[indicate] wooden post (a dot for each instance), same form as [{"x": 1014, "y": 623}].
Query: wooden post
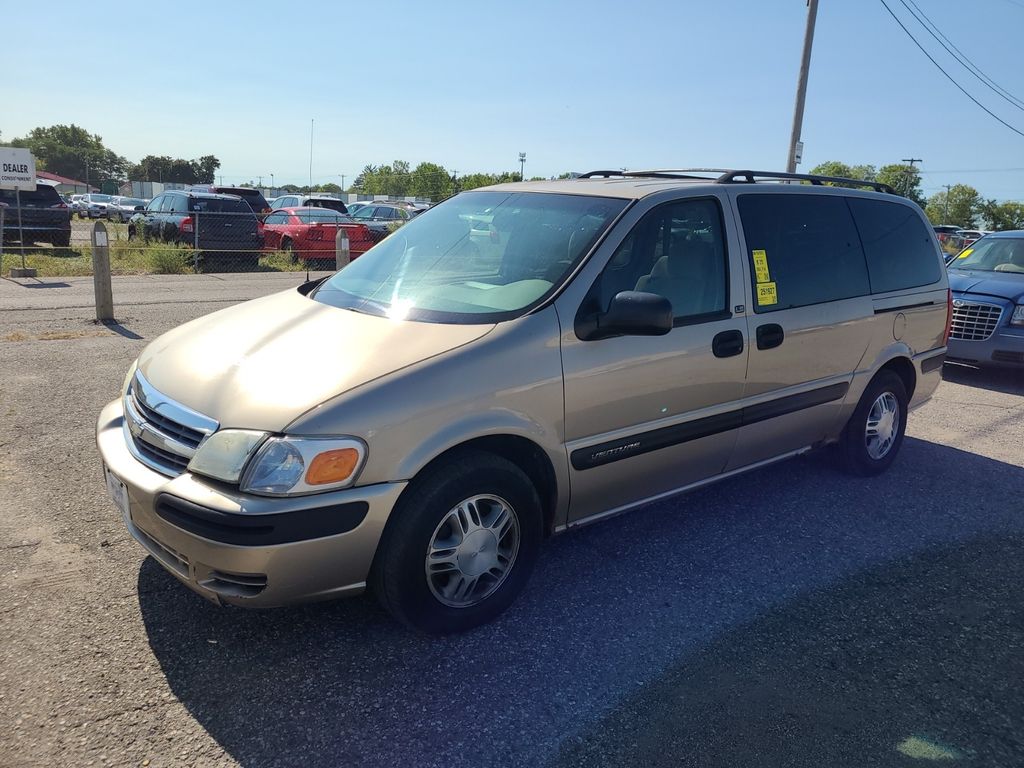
[
  {"x": 341, "y": 252},
  {"x": 101, "y": 273}
]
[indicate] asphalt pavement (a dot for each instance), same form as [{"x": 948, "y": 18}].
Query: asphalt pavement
[{"x": 792, "y": 616}]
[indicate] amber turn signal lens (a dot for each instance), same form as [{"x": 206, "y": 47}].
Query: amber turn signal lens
[{"x": 332, "y": 466}]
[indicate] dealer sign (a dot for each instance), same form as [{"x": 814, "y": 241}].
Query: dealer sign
[{"x": 17, "y": 169}]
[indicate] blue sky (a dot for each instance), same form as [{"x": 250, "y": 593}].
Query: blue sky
[{"x": 575, "y": 85}]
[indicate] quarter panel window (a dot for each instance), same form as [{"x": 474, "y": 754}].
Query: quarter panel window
[
  {"x": 803, "y": 249},
  {"x": 899, "y": 250}
]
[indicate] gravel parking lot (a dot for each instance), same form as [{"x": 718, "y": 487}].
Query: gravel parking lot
[{"x": 793, "y": 616}]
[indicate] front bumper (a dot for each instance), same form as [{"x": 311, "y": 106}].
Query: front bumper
[
  {"x": 1003, "y": 349},
  {"x": 252, "y": 574}
]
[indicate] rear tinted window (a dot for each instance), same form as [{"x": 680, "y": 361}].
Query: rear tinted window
[
  {"x": 219, "y": 205},
  {"x": 42, "y": 194},
  {"x": 253, "y": 197},
  {"x": 803, "y": 249},
  {"x": 900, "y": 250},
  {"x": 334, "y": 205}
]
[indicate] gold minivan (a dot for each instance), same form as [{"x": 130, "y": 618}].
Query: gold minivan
[{"x": 517, "y": 361}]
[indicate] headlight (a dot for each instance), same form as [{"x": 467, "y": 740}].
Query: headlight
[
  {"x": 223, "y": 454},
  {"x": 1017, "y": 318},
  {"x": 291, "y": 466}
]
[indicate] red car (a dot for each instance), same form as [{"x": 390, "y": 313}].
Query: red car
[{"x": 309, "y": 233}]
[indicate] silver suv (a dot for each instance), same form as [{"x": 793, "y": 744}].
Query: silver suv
[{"x": 517, "y": 361}]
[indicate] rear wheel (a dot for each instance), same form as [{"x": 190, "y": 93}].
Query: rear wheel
[
  {"x": 63, "y": 240},
  {"x": 874, "y": 434},
  {"x": 460, "y": 545}
]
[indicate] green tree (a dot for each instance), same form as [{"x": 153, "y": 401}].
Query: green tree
[
  {"x": 905, "y": 179},
  {"x": 70, "y": 150},
  {"x": 175, "y": 169},
  {"x": 430, "y": 180},
  {"x": 960, "y": 206},
  {"x": 837, "y": 168},
  {"x": 205, "y": 169},
  {"x": 1002, "y": 216}
]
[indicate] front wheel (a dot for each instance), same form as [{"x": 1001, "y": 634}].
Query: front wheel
[
  {"x": 460, "y": 545},
  {"x": 874, "y": 434}
]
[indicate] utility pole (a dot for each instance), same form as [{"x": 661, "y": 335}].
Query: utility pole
[
  {"x": 909, "y": 161},
  {"x": 260, "y": 185},
  {"x": 522, "y": 166},
  {"x": 945, "y": 204},
  {"x": 801, "y": 87}
]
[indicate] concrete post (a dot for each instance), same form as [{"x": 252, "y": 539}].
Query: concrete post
[
  {"x": 101, "y": 273},
  {"x": 341, "y": 252}
]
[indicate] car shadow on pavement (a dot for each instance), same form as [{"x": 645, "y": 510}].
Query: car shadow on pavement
[
  {"x": 793, "y": 612},
  {"x": 1009, "y": 381}
]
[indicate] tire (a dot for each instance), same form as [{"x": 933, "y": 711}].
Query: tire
[
  {"x": 860, "y": 454},
  {"x": 62, "y": 240},
  {"x": 475, "y": 489}
]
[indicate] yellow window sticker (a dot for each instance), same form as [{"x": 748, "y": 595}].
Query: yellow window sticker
[
  {"x": 965, "y": 253},
  {"x": 761, "y": 266},
  {"x": 766, "y": 294}
]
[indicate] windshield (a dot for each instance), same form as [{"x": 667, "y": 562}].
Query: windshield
[
  {"x": 132, "y": 201},
  {"x": 100, "y": 198},
  {"x": 993, "y": 254},
  {"x": 444, "y": 266}
]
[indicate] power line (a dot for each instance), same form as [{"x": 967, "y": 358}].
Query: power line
[
  {"x": 948, "y": 77},
  {"x": 976, "y": 170},
  {"x": 953, "y": 51}
]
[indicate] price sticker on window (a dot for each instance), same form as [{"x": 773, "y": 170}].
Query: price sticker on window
[
  {"x": 761, "y": 267},
  {"x": 965, "y": 253},
  {"x": 767, "y": 294}
]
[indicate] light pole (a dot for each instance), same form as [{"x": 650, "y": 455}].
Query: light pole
[
  {"x": 522, "y": 166},
  {"x": 272, "y": 186}
]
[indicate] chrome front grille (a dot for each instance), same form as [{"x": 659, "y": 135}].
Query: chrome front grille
[
  {"x": 974, "y": 321},
  {"x": 161, "y": 433}
]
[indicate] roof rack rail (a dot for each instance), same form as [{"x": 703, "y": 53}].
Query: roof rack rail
[
  {"x": 750, "y": 177},
  {"x": 729, "y": 176}
]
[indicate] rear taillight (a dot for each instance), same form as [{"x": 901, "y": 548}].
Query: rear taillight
[
  {"x": 186, "y": 226},
  {"x": 949, "y": 316}
]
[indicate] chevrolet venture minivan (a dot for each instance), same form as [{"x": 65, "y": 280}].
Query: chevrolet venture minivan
[{"x": 517, "y": 361}]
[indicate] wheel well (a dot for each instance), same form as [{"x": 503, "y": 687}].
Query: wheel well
[
  {"x": 526, "y": 455},
  {"x": 903, "y": 368}
]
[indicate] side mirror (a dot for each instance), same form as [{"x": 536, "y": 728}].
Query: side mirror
[{"x": 630, "y": 313}]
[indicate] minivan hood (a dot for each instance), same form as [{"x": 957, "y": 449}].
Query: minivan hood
[
  {"x": 263, "y": 363},
  {"x": 1006, "y": 285}
]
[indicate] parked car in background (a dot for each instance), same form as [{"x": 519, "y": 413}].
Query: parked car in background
[
  {"x": 221, "y": 228},
  {"x": 353, "y": 207},
  {"x": 309, "y": 234},
  {"x": 257, "y": 202},
  {"x": 43, "y": 216},
  {"x": 76, "y": 206},
  {"x": 987, "y": 281},
  {"x": 309, "y": 201},
  {"x": 969, "y": 236},
  {"x": 381, "y": 218},
  {"x": 123, "y": 208},
  {"x": 95, "y": 205}
]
